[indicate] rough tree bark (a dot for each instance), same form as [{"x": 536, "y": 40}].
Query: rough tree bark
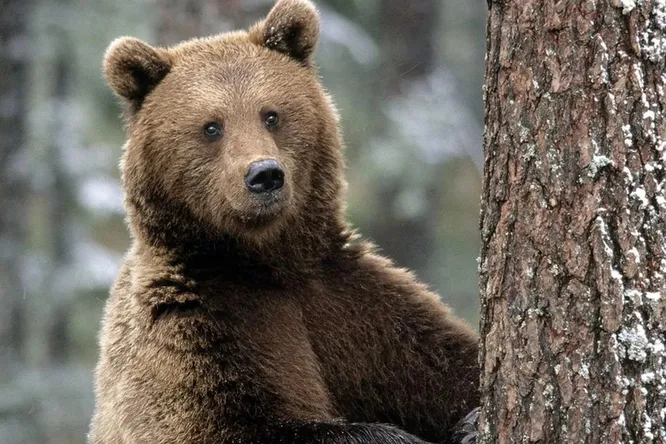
[{"x": 574, "y": 196}]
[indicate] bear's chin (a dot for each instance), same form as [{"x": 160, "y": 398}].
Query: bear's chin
[
  {"x": 262, "y": 215},
  {"x": 263, "y": 210},
  {"x": 260, "y": 220},
  {"x": 258, "y": 230}
]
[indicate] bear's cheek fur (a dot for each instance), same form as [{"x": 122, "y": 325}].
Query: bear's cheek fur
[{"x": 165, "y": 167}]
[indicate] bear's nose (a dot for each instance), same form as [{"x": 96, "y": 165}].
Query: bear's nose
[{"x": 263, "y": 176}]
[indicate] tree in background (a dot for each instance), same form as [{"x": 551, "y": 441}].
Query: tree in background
[
  {"x": 61, "y": 204},
  {"x": 14, "y": 190},
  {"x": 573, "y": 261},
  {"x": 407, "y": 51},
  {"x": 14, "y": 183},
  {"x": 424, "y": 153},
  {"x": 183, "y": 20}
]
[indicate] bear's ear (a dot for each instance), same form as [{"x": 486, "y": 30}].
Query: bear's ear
[
  {"x": 133, "y": 68},
  {"x": 292, "y": 28}
]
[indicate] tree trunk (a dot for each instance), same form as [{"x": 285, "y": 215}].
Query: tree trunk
[
  {"x": 407, "y": 56},
  {"x": 179, "y": 20},
  {"x": 61, "y": 202},
  {"x": 14, "y": 184},
  {"x": 573, "y": 258},
  {"x": 407, "y": 41}
]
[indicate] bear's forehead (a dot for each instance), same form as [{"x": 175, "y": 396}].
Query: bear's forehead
[
  {"x": 229, "y": 75},
  {"x": 231, "y": 61},
  {"x": 226, "y": 50},
  {"x": 214, "y": 47}
]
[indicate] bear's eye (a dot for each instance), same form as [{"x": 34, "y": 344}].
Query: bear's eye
[
  {"x": 212, "y": 130},
  {"x": 271, "y": 119}
]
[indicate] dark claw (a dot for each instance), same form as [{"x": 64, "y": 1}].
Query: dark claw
[{"x": 466, "y": 430}]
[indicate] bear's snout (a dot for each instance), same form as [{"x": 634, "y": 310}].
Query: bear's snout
[{"x": 264, "y": 176}]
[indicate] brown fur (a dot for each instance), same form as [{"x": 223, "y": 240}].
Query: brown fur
[{"x": 234, "y": 320}]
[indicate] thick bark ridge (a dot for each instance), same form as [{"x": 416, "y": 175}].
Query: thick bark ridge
[{"x": 574, "y": 196}]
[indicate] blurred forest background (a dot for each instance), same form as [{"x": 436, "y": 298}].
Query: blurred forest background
[{"x": 406, "y": 76}]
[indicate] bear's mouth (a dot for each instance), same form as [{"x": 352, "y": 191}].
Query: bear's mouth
[{"x": 264, "y": 208}]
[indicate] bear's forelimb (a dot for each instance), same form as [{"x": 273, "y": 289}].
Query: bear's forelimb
[
  {"x": 466, "y": 430},
  {"x": 334, "y": 432}
]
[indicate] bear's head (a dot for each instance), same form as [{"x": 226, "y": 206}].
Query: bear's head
[{"x": 231, "y": 135}]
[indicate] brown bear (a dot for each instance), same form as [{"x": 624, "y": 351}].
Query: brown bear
[{"x": 246, "y": 310}]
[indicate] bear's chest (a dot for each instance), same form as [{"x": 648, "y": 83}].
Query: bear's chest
[{"x": 242, "y": 338}]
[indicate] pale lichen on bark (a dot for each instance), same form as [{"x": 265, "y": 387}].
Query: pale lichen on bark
[{"x": 573, "y": 261}]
